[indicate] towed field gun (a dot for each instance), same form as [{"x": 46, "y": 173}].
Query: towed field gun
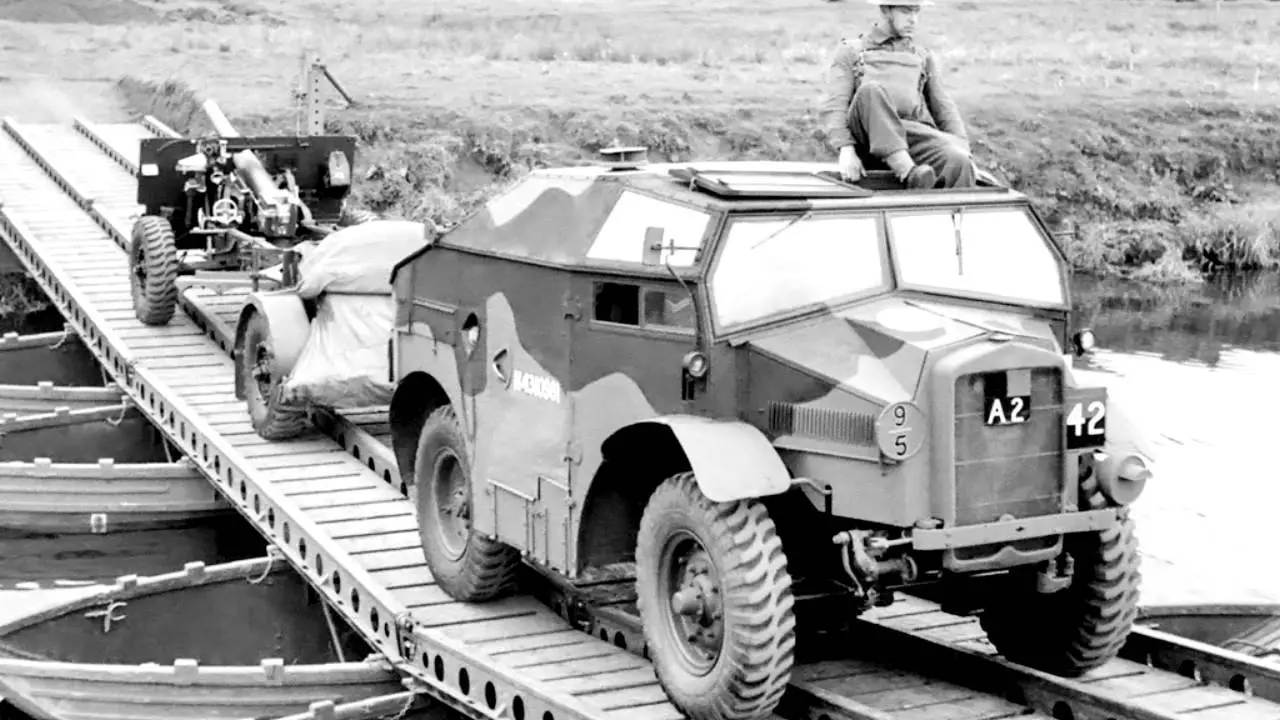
[
  {"x": 219, "y": 209},
  {"x": 319, "y": 338},
  {"x": 766, "y": 394}
]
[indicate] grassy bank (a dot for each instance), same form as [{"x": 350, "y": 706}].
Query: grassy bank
[
  {"x": 1151, "y": 125},
  {"x": 24, "y": 308}
]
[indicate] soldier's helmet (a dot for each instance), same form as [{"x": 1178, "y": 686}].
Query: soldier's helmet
[{"x": 913, "y": 3}]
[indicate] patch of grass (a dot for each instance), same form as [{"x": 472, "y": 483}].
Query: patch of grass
[
  {"x": 1150, "y": 124},
  {"x": 172, "y": 102},
  {"x": 20, "y": 296}
]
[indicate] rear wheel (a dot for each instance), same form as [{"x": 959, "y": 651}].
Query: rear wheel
[
  {"x": 1084, "y": 625},
  {"x": 468, "y": 566},
  {"x": 715, "y": 601},
  {"x": 153, "y": 270},
  {"x": 254, "y": 364}
]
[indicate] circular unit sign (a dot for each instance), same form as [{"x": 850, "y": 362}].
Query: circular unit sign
[{"x": 900, "y": 430}]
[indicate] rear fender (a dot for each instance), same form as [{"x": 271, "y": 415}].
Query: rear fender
[
  {"x": 287, "y": 323},
  {"x": 731, "y": 460}
]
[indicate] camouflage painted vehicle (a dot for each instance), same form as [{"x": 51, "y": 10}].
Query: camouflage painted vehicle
[{"x": 743, "y": 377}]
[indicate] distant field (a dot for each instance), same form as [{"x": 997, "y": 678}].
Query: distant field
[{"x": 1153, "y": 124}]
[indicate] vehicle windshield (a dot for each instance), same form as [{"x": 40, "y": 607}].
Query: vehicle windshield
[
  {"x": 778, "y": 265},
  {"x": 996, "y": 253}
]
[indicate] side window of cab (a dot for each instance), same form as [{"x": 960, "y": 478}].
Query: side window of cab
[{"x": 643, "y": 305}]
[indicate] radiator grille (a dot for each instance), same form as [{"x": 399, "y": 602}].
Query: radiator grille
[{"x": 1010, "y": 469}]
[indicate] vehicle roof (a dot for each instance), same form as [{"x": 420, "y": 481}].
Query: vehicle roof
[
  {"x": 572, "y": 216},
  {"x": 657, "y": 179}
]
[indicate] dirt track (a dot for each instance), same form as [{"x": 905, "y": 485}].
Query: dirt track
[{"x": 49, "y": 100}]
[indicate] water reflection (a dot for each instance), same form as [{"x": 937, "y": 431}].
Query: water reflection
[{"x": 1182, "y": 324}]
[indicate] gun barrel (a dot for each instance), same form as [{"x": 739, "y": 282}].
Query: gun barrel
[
  {"x": 257, "y": 178},
  {"x": 220, "y": 122}
]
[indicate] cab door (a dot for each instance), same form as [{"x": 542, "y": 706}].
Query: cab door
[{"x": 628, "y": 353}]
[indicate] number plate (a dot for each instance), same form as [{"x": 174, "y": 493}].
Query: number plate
[
  {"x": 1013, "y": 410},
  {"x": 1086, "y": 420}
]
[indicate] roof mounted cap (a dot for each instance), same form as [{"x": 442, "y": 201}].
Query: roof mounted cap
[{"x": 624, "y": 158}]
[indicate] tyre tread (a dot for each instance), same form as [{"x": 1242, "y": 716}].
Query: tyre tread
[
  {"x": 488, "y": 569},
  {"x": 1084, "y": 626},
  {"x": 155, "y": 301},
  {"x": 758, "y": 602}
]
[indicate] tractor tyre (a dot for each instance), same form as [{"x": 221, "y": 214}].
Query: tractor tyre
[
  {"x": 467, "y": 565},
  {"x": 1085, "y": 624},
  {"x": 153, "y": 270},
  {"x": 271, "y": 420},
  {"x": 715, "y": 601}
]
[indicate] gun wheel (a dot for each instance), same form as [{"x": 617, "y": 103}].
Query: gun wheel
[
  {"x": 715, "y": 600},
  {"x": 270, "y": 419},
  {"x": 468, "y": 566},
  {"x": 1084, "y": 625},
  {"x": 153, "y": 270}
]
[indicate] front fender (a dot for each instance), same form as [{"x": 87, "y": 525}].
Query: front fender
[
  {"x": 1122, "y": 425},
  {"x": 731, "y": 460},
  {"x": 288, "y": 326}
]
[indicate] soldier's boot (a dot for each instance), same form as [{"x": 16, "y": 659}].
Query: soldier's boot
[
  {"x": 916, "y": 177},
  {"x": 921, "y": 177}
]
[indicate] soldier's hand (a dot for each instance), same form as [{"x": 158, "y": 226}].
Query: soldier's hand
[{"x": 850, "y": 165}]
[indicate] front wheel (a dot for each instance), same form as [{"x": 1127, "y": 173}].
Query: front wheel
[
  {"x": 1084, "y": 625},
  {"x": 255, "y": 363},
  {"x": 714, "y": 596},
  {"x": 467, "y": 565},
  {"x": 153, "y": 270}
]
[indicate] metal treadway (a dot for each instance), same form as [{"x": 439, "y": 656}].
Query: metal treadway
[{"x": 335, "y": 506}]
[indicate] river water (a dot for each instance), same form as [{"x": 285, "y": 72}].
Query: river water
[{"x": 1198, "y": 371}]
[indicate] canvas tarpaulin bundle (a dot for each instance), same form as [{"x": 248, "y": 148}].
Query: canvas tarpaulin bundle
[{"x": 344, "y": 363}]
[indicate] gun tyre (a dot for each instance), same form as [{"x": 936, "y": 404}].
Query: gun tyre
[
  {"x": 1084, "y": 625},
  {"x": 468, "y": 566},
  {"x": 715, "y": 600},
  {"x": 270, "y": 419},
  {"x": 153, "y": 270}
]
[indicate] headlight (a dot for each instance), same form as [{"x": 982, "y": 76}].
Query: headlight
[
  {"x": 1121, "y": 478},
  {"x": 695, "y": 363},
  {"x": 1083, "y": 341}
]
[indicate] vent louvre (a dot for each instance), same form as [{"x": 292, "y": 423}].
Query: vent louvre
[{"x": 822, "y": 423}]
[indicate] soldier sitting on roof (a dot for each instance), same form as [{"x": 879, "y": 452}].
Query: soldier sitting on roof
[{"x": 884, "y": 100}]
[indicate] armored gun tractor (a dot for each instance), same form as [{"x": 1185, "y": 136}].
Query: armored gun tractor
[{"x": 751, "y": 382}]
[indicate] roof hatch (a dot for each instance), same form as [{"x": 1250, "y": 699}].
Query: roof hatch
[{"x": 768, "y": 183}]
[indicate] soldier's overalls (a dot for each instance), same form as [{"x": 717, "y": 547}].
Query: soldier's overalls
[{"x": 888, "y": 114}]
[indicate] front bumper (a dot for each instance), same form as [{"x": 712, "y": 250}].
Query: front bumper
[{"x": 1013, "y": 530}]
